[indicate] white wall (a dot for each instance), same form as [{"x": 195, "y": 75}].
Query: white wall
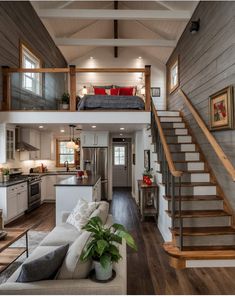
[{"x": 128, "y": 58}]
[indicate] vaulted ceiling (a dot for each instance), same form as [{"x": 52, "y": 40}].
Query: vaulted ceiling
[{"x": 78, "y": 27}]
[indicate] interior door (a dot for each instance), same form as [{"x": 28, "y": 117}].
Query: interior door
[{"x": 120, "y": 165}]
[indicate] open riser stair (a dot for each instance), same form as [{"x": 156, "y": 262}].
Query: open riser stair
[{"x": 200, "y": 216}]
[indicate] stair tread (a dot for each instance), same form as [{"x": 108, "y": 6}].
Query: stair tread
[
  {"x": 195, "y": 184},
  {"x": 222, "y": 253},
  {"x": 179, "y": 142},
  {"x": 174, "y": 128},
  {"x": 204, "y": 231},
  {"x": 200, "y": 213},
  {"x": 198, "y": 161},
  {"x": 191, "y": 171},
  {"x": 196, "y": 197}
]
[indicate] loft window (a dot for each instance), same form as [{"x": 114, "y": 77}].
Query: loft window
[
  {"x": 31, "y": 82},
  {"x": 64, "y": 154},
  {"x": 119, "y": 155}
]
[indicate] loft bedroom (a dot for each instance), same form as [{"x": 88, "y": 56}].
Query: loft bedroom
[{"x": 104, "y": 52}]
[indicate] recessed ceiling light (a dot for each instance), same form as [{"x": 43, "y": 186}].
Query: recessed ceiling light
[
  {"x": 121, "y": 134},
  {"x": 140, "y": 57},
  {"x": 40, "y": 127},
  {"x": 91, "y": 58},
  {"x": 122, "y": 128},
  {"x": 62, "y": 130},
  {"x": 93, "y": 127}
]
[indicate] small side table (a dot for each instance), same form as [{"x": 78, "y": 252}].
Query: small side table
[{"x": 148, "y": 200}]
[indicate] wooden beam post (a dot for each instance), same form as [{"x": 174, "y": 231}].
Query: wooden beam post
[
  {"x": 6, "y": 88},
  {"x": 147, "y": 87},
  {"x": 72, "y": 73},
  {"x": 115, "y": 29}
]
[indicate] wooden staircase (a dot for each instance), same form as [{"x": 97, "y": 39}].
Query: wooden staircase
[{"x": 207, "y": 222}]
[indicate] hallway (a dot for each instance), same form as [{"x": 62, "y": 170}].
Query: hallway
[{"x": 148, "y": 270}]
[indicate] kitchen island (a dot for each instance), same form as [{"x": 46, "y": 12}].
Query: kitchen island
[{"x": 71, "y": 189}]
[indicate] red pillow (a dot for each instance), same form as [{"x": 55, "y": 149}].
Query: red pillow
[
  {"x": 114, "y": 92},
  {"x": 126, "y": 91},
  {"x": 99, "y": 91}
]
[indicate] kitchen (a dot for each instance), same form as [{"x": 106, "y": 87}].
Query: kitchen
[{"x": 35, "y": 158}]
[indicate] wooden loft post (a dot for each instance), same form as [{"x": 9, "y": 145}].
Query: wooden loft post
[
  {"x": 6, "y": 88},
  {"x": 147, "y": 87},
  {"x": 72, "y": 73}
]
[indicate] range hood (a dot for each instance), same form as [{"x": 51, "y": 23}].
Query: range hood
[{"x": 22, "y": 146}]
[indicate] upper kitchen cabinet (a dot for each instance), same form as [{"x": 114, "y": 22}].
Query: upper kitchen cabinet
[
  {"x": 94, "y": 139},
  {"x": 47, "y": 147},
  {"x": 7, "y": 143}
]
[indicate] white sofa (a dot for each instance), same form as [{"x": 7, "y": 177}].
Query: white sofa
[{"x": 60, "y": 235}]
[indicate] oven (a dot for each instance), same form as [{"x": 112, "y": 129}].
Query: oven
[{"x": 34, "y": 192}]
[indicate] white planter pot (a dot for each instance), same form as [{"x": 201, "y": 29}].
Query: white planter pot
[
  {"x": 103, "y": 273},
  {"x": 64, "y": 106}
]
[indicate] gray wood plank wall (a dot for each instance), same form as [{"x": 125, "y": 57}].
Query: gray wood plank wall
[
  {"x": 207, "y": 64},
  {"x": 18, "y": 20}
]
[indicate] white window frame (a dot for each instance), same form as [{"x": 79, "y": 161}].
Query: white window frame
[
  {"x": 119, "y": 157},
  {"x": 36, "y": 78}
]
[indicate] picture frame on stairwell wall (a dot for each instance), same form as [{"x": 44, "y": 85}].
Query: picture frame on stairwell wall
[
  {"x": 147, "y": 159},
  {"x": 221, "y": 110},
  {"x": 156, "y": 92},
  {"x": 173, "y": 75}
]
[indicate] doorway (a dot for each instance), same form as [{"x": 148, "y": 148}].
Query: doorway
[{"x": 121, "y": 162}]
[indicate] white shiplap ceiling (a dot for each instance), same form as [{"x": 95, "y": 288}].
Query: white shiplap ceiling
[{"x": 63, "y": 28}]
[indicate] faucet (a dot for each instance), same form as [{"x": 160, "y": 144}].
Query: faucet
[{"x": 66, "y": 164}]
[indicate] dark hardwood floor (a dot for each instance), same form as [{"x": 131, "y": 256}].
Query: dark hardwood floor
[{"x": 148, "y": 269}]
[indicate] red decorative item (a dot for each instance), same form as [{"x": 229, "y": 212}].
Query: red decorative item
[
  {"x": 126, "y": 91},
  {"x": 148, "y": 182},
  {"x": 99, "y": 91},
  {"x": 114, "y": 92}
]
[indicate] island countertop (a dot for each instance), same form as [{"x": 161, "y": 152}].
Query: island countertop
[{"x": 75, "y": 182}]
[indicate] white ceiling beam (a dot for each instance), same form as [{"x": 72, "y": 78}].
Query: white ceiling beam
[
  {"x": 115, "y": 42},
  {"x": 112, "y": 14}
]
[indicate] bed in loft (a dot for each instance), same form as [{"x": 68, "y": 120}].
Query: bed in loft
[
  {"x": 112, "y": 98},
  {"x": 115, "y": 97}
]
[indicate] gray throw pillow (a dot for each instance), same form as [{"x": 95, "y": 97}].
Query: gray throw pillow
[{"x": 43, "y": 268}]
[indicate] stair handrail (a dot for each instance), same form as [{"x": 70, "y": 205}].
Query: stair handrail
[
  {"x": 173, "y": 170},
  {"x": 217, "y": 148}
]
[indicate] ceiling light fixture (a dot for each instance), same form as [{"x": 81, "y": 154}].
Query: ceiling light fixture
[
  {"x": 40, "y": 127},
  {"x": 140, "y": 57},
  {"x": 194, "y": 27},
  {"x": 121, "y": 134},
  {"x": 93, "y": 127},
  {"x": 71, "y": 144},
  {"x": 91, "y": 58},
  {"x": 122, "y": 128},
  {"x": 62, "y": 131}
]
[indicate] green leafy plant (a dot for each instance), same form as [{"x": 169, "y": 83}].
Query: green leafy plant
[
  {"x": 103, "y": 245},
  {"x": 65, "y": 98},
  {"x": 148, "y": 173},
  {"x": 5, "y": 171}
]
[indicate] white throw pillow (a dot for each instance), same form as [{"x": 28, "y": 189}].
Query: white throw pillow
[{"x": 81, "y": 213}]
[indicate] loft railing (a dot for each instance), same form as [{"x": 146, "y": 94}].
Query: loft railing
[
  {"x": 171, "y": 177},
  {"x": 217, "y": 148},
  {"x": 53, "y": 83}
]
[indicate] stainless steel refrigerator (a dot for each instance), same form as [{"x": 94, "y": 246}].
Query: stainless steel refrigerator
[{"x": 95, "y": 159}]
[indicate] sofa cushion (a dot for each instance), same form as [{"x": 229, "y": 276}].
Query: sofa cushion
[
  {"x": 44, "y": 267},
  {"x": 60, "y": 235},
  {"x": 102, "y": 211},
  {"x": 80, "y": 214},
  {"x": 72, "y": 267}
]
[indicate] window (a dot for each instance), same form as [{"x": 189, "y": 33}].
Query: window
[
  {"x": 119, "y": 155},
  {"x": 31, "y": 81},
  {"x": 174, "y": 76},
  {"x": 64, "y": 154}
]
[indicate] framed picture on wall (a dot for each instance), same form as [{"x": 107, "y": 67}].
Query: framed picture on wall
[
  {"x": 221, "y": 109},
  {"x": 155, "y": 92},
  {"x": 173, "y": 75},
  {"x": 147, "y": 159}
]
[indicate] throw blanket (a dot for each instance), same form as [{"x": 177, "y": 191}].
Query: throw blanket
[{"x": 110, "y": 102}]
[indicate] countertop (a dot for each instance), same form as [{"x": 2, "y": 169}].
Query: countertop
[
  {"x": 75, "y": 182},
  {"x": 13, "y": 182}
]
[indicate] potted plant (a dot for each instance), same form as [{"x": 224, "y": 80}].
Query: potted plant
[
  {"x": 147, "y": 176},
  {"x": 65, "y": 100},
  {"x": 103, "y": 246},
  {"x": 6, "y": 174}
]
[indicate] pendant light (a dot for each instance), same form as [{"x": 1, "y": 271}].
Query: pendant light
[{"x": 71, "y": 144}]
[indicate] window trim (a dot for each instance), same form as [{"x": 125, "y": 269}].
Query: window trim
[
  {"x": 58, "y": 164},
  {"x": 24, "y": 46},
  {"x": 125, "y": 160}
]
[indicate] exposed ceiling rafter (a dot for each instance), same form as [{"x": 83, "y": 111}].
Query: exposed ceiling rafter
[
  {"x": 114, "y": 42},
  {"x": 112, "y": 14}
]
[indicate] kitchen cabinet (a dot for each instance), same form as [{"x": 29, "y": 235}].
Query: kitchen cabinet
[
  {"x": 14, "y": 201},
  {"x": 46, "y": 148},
  {"x": 7, "y": 143},
  {"x": 94, "y": 139}
]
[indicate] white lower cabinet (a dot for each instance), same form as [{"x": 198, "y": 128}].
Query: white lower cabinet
[{"x": 14, "y": 201}]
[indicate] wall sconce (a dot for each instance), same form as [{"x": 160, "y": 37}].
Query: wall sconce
[
  {"x": 84, "y": 91},
  {"x": 194, "y": 27}
]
